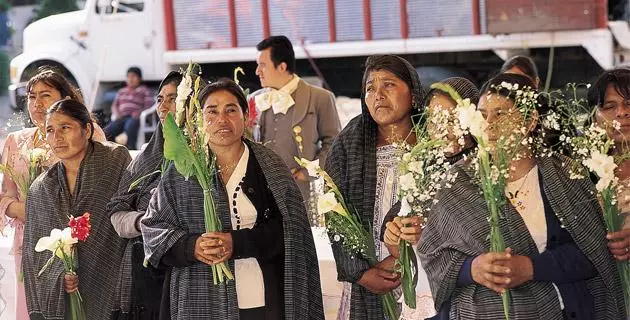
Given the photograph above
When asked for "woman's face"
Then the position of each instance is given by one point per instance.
(224, 122)
(441, 119)
(614, 108)
(40, 97)
(504, 120)
(166, 100)
(66, 137)
(387, 97)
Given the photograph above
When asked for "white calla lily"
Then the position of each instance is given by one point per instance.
(328, 202)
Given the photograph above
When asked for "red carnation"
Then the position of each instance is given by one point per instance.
(80, 226)
(253, 113)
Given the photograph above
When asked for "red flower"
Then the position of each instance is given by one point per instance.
(253, 113)
(80, 226)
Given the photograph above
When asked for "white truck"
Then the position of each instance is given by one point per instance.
(95, 46)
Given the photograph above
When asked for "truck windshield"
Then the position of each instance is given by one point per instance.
(119, 6)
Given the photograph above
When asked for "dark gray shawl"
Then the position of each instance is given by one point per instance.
(459, 229)
(145, 163)
(351, 163)
(177, 210)
(47, 207)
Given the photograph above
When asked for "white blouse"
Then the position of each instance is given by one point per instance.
(250, 285)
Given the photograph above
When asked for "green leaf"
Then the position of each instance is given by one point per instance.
(176, 148)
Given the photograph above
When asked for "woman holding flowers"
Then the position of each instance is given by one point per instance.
(555, 264)
(130, 203)
(266, 239)
(610, 95)
(84, 180)
(42, 91)
(440, 114)
(363, 163)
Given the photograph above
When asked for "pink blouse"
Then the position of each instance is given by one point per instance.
(16, 149)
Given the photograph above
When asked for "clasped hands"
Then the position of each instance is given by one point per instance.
(499, 271)
(214, 247)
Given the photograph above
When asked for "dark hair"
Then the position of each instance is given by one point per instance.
(525, 64)
(135, 70)
(549, 136)
(619, 78)
(172, 77)
(402, 69)
(228, 85)
(50, 77)
(281, 51)
(75, 110)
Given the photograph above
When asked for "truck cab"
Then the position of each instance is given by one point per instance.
(92, 47)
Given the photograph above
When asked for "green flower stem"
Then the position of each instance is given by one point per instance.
(407, 261)
(614, 223)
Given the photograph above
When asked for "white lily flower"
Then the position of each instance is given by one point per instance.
(184, 89)
(328, 202)
(604, 166)
(407, 182)
(58, 239)
(311, 166)
(405, 208)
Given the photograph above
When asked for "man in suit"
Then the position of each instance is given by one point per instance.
(296, 119)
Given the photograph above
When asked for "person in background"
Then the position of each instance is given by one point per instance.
(127, 207)
(129, 103)
(522, 65)
(43, 89)
(296, 118)
(83, 181)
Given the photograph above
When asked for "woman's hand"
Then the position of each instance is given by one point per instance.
(217, 246)
(381, 278)
(408, 229)
(213, 248)
(521, 269)
(487, 270)
(379, 281)
(71, 282)
(16, 210)
(619, 244)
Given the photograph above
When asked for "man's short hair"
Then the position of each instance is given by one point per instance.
(135, 70)
(281, 51)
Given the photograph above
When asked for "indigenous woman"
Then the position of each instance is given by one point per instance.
(363, 162)
(409, 228)
(43, 90)
(557, 265)
(83, 181)
(610, 95)
(266, 238)
(127, 207)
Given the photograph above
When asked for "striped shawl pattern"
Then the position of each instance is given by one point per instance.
(99, 257)
(459, 229)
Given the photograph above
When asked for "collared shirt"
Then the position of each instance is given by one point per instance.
(132, 100)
